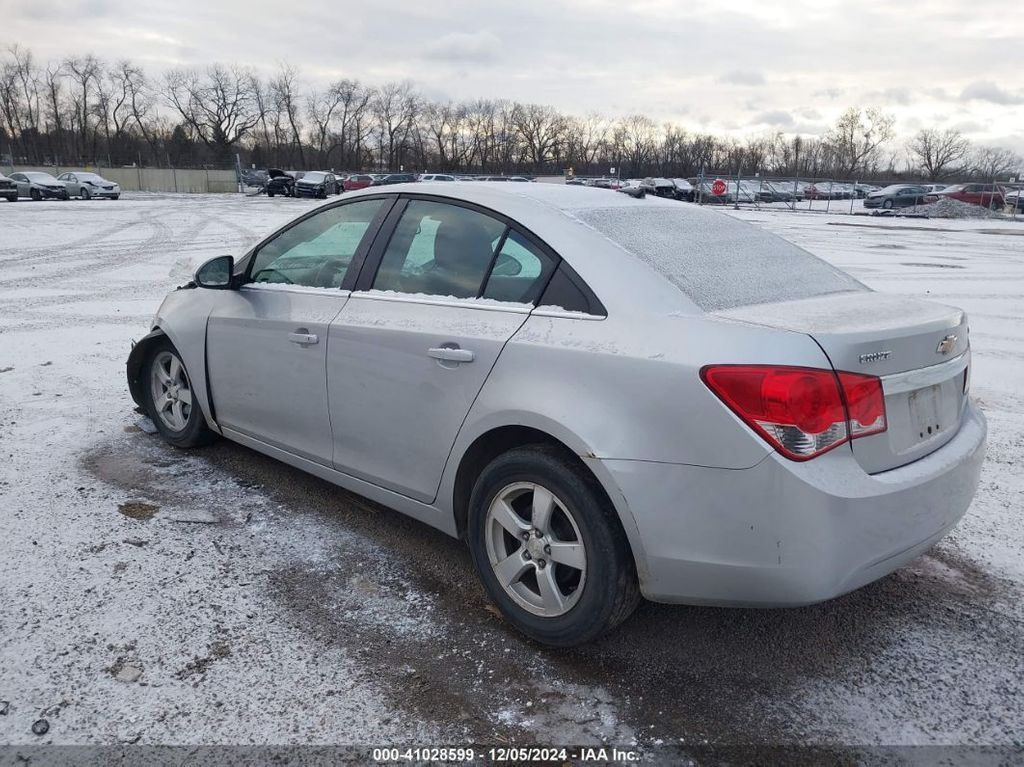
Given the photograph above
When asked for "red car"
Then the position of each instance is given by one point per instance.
(986, 195)
(357, 181)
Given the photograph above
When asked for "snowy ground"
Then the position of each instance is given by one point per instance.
(153, 596)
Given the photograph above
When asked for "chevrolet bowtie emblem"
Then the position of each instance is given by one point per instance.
(946, 345)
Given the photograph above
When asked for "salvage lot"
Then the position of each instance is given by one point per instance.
(155, 596)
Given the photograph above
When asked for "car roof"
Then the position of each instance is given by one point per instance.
(549, 211)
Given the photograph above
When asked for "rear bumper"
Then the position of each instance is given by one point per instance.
(783, 533)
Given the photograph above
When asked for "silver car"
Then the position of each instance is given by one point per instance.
(38, 185)
(605, 397)
(88, 185)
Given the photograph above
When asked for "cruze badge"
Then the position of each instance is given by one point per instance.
(946, 345)
(874, 357)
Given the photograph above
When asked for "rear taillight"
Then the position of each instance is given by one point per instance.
(801, 412)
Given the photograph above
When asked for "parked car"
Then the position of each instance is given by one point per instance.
(37, 185)
(357, 181)
(316, 183)
(394, 178)
(8, 189)
(280, 182)
(863, 190)
(827, 190)
(252, 177)
(896, 196)
(1014, 198)
(574, 181)
(437, 177)
(682, 189)
(775, 191)
(985, 195)
(88, 185)
(789, 411)
(932, 188)
(661, 187)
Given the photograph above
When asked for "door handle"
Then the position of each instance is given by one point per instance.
(449, 354)
(303, 337)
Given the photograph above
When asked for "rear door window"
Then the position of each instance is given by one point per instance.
(439, 249)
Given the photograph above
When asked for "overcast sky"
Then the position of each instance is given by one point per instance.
(742, 66)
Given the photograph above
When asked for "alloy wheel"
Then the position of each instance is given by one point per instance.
(535, 549)
(171, 390)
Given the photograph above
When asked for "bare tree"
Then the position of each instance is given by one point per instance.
(937, 152)
(85, 72)
(283, 88)
(635, 138)
(855, 139)
(395, 107)
(541, 129)
(220, 105)
(996, 163)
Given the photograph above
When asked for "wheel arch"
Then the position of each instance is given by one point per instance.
(498, 439)
(196, 371)
(136, 357)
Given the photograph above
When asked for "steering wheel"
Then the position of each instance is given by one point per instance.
(267, 271)
(328, 270)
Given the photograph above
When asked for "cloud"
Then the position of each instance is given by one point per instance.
(899, 96)
(742, 77)
(986, 90)
(775, 117)
(465, 47)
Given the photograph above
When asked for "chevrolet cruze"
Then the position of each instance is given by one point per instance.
(605, 397)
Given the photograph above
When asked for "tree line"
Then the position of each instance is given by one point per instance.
(83, 110)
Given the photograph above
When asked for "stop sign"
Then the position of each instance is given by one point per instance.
(718, 188)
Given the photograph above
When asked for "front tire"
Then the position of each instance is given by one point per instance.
(549, 548)
(887, 204)
(34, 194)
(169, 399)
(84, 193)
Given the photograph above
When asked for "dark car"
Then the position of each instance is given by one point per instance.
(8, 189)
(395, 178)
(280, 182)
(39, 185)
(316, 183)
(985, 195)
(896, 196)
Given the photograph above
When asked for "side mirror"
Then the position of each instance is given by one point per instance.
(216, 273)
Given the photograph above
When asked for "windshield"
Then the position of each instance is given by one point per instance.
(314, 176)
(894, 188)
(89, 177)
(31, 176)
(716, 260)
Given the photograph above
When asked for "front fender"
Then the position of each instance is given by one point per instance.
(135, 359)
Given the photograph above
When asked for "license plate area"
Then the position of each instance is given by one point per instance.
(926, 413)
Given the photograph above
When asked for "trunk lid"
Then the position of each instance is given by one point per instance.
(919, 349)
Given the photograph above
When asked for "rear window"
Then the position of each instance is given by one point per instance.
(718, 261)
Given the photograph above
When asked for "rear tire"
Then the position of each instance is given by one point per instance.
(567, 575)
(169, 398)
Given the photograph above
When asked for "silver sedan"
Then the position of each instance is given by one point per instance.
(605, 397)
(88, 185)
